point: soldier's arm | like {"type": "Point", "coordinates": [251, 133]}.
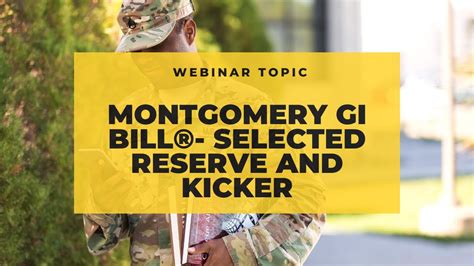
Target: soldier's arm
{"type": "Point", "coordinates": [278, 239]}
{"type": "Point", "coordinates": [104, 231]}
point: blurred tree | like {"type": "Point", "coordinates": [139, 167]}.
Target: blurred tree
{"type": "Point", "coordinates": [235, 25]}
{"type": "Point", "coordinates": [206, 42]}
{"type": "Point", "coordinates": [37, 41]}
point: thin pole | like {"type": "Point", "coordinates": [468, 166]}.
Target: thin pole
{"type": "Point", "coordinates": [448, 167]}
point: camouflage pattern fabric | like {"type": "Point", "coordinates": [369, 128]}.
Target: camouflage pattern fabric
{"type": "Point", "coordinates": [277, 239]}
{"type": "Point", "coordinates": [146, 23]}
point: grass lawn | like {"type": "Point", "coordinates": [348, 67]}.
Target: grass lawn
{"type": "Point", "coordinates": [414, 194]}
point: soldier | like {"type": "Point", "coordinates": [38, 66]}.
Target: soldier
{"type": "Point", "coordinates": [277, 239]}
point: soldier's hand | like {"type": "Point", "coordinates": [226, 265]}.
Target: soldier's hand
{"type": "Point", "coordinates": [216, 251]}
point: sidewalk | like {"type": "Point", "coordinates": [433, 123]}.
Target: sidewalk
{"type": "Point", "coordinates": [371, 249]}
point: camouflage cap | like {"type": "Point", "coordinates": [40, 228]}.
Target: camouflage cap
{"type": "Point", "coordinates": [146, 23]}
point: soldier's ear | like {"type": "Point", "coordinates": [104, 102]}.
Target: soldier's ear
{"type": "Point", "coordinates": [189, 30]}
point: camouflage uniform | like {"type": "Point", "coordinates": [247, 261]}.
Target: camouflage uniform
{"type": "Point", "coordinates": [277, 239]}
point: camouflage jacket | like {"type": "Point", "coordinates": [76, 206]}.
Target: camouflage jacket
{"type": "Point", "coordinates": [277, 239]}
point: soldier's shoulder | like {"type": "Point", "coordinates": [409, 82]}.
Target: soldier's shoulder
{"type": "Point", "coordinates": [141, 94]}
{"type": "Point", "coordinates": [232, 91]}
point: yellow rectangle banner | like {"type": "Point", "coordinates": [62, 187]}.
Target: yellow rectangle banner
{"type": "Point", "coordinates": [236, 132]}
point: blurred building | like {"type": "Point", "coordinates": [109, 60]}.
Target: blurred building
{"type": "Point", "coordinates": [412, 28]}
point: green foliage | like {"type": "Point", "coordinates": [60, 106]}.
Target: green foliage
{"type": "Point", "coordinates": [37, 42]}
{"type": "Point", "coordinates": [206, 42]}
{"type": "Point", "coordinates": [236, 25]}
{"type": "Point", "coordinates": [38, 38]}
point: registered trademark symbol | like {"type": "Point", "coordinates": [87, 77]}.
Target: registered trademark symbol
{"type": "Point", "coordinates": [183, 138]}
